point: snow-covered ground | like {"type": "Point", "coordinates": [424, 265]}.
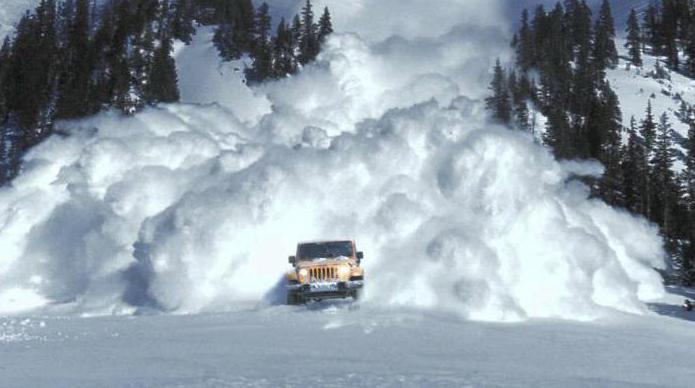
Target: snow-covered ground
{"type": "Point", "coordinates": [333, 345]}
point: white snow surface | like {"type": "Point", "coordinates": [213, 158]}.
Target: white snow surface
{"type": "Point", "coordinates": [334, 345]}
{"type": "Point", "coordinates": [194, 207]}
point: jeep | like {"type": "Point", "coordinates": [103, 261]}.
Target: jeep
{"type": "Point", "coordinates": [325, 270]}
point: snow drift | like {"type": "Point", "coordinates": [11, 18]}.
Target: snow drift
{"type": "Point", "coordinates": [189, 207]}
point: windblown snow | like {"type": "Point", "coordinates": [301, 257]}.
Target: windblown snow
{"type": "Point", "coordinates": [195, 206]}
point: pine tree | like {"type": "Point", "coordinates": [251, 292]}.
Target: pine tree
{"type": "Point", "coordinates": [557, 134]}
{"type": "Point", "coordinates": [163, 85]}
{"type": "Point", "coordinates": [584, 81]}
{"type": "Point", "coordinates": [610, 122]}
{"type": "Point", "coordinates": [245, 25]}
{"type": "Point", "coordinates": [540, 28]}
{"type": "Point", "coordinates": [499, 104]}
{"type": "Point", "coordinates": [182, 20]}
{"type": "Point", "coordinates": [685, 265]}
{"type": "Point", "coordinates": [605, 53]}
{"type": "Point", "coordinates": [262, 55]}
{"type": "Point", "coordinates": [94, 16]}
{"type": "Point", "coordinates": [690, 167]}
{"type": "Point", "coordinates": [235, 34]}
{"type": "Point", "coordinates": [663, 179]}
{"type": "Point", "coordinates": [577, 20]}
{"type": "Point", "coordinates": [325, 25]}
{"type": "Point", "coordinates": [33, 72]}
{"type": "Point", "coordinates": [525, 51]}
{"type": "Point", "coordinates": [520, 92]}
{"type": "Point", "coordinates": [119, 84]}
{"type": "Point", "coordinates": [223, 39]}
{"type": "Point", "coordinates": [73, 93]}
{"type": "Point", "coordinates": [308, 43]}
{"type": "Point", "coordinates": [5, 59]}
{"type": "Point", "coordinates": [105, 50]}
{"type": "Point", "coordinates": [141, 67]}
{"type": "Point", "coordinates": [554, 65]}
{"type": "Point", "coordinates": [668, 32]}
{"type": "Point", "coordinates": [690, 49]}
{"type": "Point", "coordinates": [283, 45]}
{"type": "Point", "coordinates": [648, 130]}
{"type": "Point", "coordinates": [66, 12]}
{"type": "Point", "coordinates": [122, 94]}
{"type": "Point", "coordinates": [296, 30]}
{"type": "Point", "coordinates": [6, 142]}
{"type": "Point", "coordinates": [263, 25]}
{"type": "Point", "coordinates": [634, 39]}
{"type": "Point", "coordinates": [634, 171]}
{"type": "Point", "coordinates": [651, 28]}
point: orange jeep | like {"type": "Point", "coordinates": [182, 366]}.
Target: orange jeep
{"type": "Point", "coordinates": [325, 270]}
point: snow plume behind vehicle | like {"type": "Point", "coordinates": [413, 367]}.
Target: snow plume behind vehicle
{"type": "Point", "coordinates": [190, 207]}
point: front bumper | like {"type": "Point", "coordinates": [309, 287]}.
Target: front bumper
{"type": "Point", "coordinates": [325, 290]}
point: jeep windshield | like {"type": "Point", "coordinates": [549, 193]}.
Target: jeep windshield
{"type": "Point", "coordinates": [324, 250]}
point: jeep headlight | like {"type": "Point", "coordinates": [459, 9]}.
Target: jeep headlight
{"type": "Point", "coordinates": [303, 272]}
{"type": "Point", "coordinates": [344, 271]}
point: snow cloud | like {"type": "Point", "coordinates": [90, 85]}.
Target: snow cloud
{"type": "Point", "coordinates": [196, 206]}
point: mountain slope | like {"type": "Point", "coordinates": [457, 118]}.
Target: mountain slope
{"type": "Point", "coordinates": [621, 8]}
{"type": "Point", "coordinates": [636, 86]}
{"type": "Point", "coordinates": [384, 141]}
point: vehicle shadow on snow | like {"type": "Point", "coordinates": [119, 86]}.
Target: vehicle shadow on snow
{"type": "Point", "coordinates": [672, 310]}
{"type": "Point", "coordinates": [276, 296]}
{"type": "Point", "coordinates": [331, 305]}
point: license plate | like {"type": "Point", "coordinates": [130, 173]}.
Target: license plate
{"type": "Point", "coordinates": [324, 287]}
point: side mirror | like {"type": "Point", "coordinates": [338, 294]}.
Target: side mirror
{"type": "Point", "coordinates": [360, 255]}
{"type": "Point", "coordinates": [293, 259]}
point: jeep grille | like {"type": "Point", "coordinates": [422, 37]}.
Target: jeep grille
{"type": "Point", "coordinates": [323, 273]}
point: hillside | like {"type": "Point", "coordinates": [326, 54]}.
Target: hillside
{"type": "Point", "coordinates": [635, 86]}
{"type": "Point", "coordinates": [172, 208]}
{"type": "Point", "coordinates": [621, 8]}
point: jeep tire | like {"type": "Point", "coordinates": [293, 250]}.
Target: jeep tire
{"type": "Point", "coordinates": [294, 298]}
